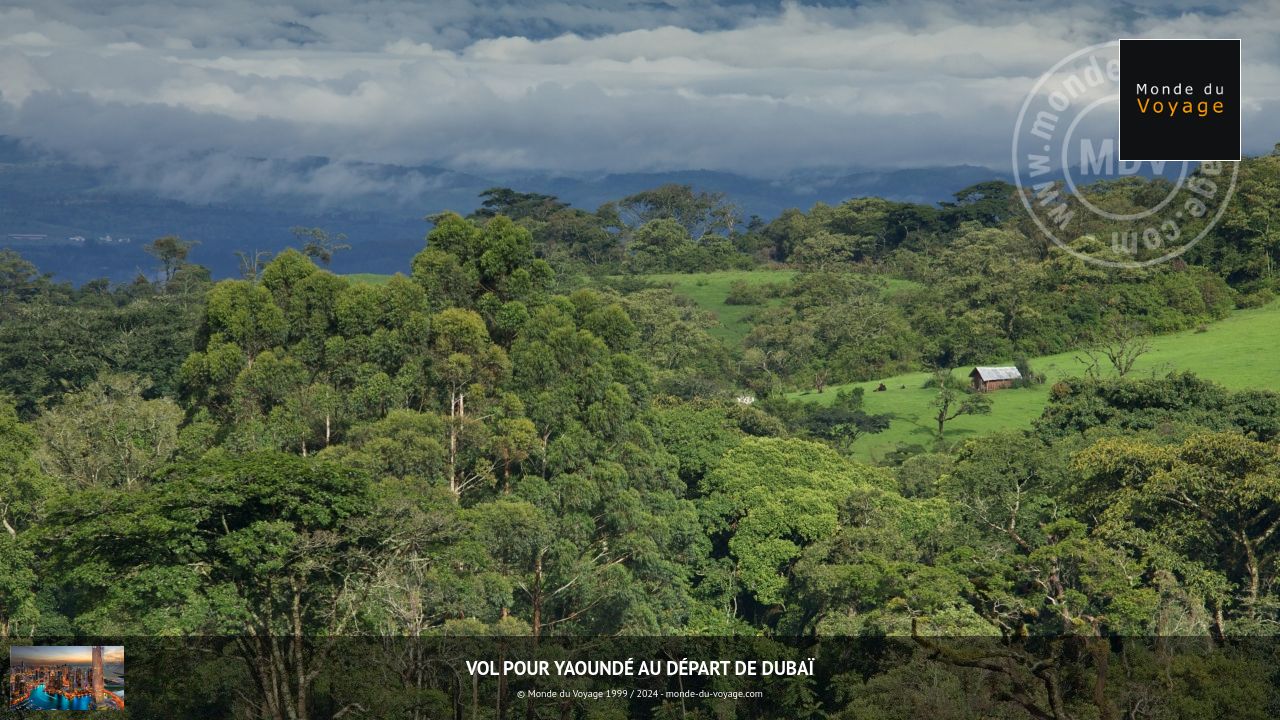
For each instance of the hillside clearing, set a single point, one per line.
(369, 278)
(1238, 352)
(709, 290)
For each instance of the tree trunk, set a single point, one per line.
(1219, 633)
(1251, 567)
(300, 711)
(1100, 648)
(457, 413)
(536, 599)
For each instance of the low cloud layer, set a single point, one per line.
(754, 88)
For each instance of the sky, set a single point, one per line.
(63, 654)
(758, 88)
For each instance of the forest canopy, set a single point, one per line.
(527, 434)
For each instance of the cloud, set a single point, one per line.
(18, 77)
(756, 88)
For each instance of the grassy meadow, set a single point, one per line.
(369, 278)
(709, 290)
(1242, 351)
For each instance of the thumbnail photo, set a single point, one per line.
(66, 677)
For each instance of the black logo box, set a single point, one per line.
(1190, 64)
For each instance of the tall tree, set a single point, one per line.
(698, 212)
(318, 244)
(1212, 501)
(267, 548)
(171, 251)
(465, 265)
(517, 205)
(23, 488)
(246, 314)
(19, 279)
(467, 365)
(769, 498)
(954, 400)
(109, 435)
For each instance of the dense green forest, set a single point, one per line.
(530, 434)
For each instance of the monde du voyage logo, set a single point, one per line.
(1164, 110)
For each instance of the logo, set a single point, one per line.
(1087, 201)
(1180, 99)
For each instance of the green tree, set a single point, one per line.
(1122, 342)
(19, 611)
(825, 251)
(1246, 243)
(951, 401)
(52, 344)
(268, 548)
(246, 314)
(655, 244)
(1038, 576)
(879, 572)
(467, 266)
(318, 244)
(109, 435)
(19, 279)
(673, 335)
(23, 488)
(844, 421)
(406, 444)
(769, 498)
(697, 212)
(171, 251)
(987, 202)
(1210, 502)
(579, 235)
(517, 205)
(1174, 401)
(466, 363)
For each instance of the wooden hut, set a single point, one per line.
(986, 379)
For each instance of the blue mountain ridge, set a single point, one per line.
(380, 207)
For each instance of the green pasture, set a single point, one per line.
(709, 289)
(1242, 351)
(369, 278)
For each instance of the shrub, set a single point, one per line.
(1255, 299)
(743, 293)
(1030, 378)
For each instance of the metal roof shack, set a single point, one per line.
(986, 379)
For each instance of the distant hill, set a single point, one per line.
(248, 204)
(762, 196)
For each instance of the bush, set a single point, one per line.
(1030, 378)
(1255, 299)
(953, 381)
(743, 293)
